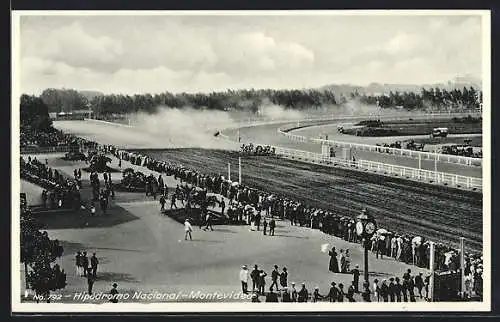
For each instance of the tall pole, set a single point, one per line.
(229, 171)
(419, 161)
(239, 138)
(431, 269)
(365, 242)
(462, 266)
(435, 160)
(239, 170)
(436, 165)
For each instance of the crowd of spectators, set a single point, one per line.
(43, 139)
(402, 246)
(59, 192)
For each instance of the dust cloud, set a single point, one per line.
(185, 128)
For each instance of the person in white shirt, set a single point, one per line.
(393, 246)
(187, 229)
(244, 279)
(400, 247)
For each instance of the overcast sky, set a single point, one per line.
(138, 54)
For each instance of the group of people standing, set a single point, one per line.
(59, 192)
(101, 195)
(87, 268)
(340, 264)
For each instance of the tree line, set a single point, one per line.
(66, 100)
(433, 98)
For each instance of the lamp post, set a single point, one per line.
(365, 228)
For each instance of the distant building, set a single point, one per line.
(73, 115)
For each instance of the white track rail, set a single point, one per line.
(414, 174)
(456, 159)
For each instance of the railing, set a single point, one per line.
(394, 151)
(48, 149)
(387, 169)
(108, 122)
(378, 167)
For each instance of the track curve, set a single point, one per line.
(268, 134)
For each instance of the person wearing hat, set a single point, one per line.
(333, 265)
(392, 290)
(340, 294)
(254, 275)
(316, 296)
(85, 263)
(274, 277)
(78, 263)
(285, 296)
(261, 281)
(93, 263)
(284, 277)
(333, 293)
(255, 298)
(350, 292)
(355, 278)
(376, 290)
(294, 293)
(244, 279)
(187, 229)
(366, 292)
(384, 290)
(90, 280)
(114, 294)
(303, 294)
(419, 283)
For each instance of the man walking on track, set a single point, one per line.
(90, 280)
(222, 205)
(272, 225)
(254, 275)
(187, 229)
(162, 203)
(172, 202)
(244, 279)
(93, 264)
(274, 277)
(208, 219)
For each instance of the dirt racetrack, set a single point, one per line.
(268, 134)
(438, 213)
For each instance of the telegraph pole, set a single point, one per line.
(431, 269)
(239, 170)
(229, 171)
(462, 267)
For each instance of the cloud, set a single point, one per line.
(72, 45)
(253, 52)
(151, 54)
